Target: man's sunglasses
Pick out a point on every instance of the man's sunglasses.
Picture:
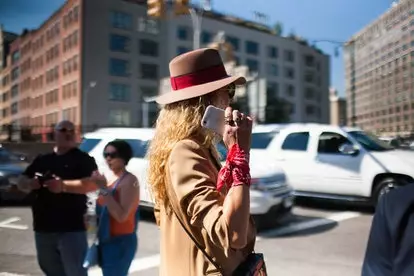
(111, 155)
(64, 130)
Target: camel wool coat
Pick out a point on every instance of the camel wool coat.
(191, 187)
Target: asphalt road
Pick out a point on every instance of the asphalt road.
(318, 239)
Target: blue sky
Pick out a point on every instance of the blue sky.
(312, 19)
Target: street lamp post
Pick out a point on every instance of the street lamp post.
(338, 44)
(91, 85)
(145, 110)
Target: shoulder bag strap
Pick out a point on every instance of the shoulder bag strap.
(104, 207)
(173, 207)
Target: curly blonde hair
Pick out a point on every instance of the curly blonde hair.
(176, 122)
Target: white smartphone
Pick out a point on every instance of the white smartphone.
(213, 119)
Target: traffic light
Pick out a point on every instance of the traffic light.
(156, 8)
(181, 7)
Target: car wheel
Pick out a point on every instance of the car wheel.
(383, 187)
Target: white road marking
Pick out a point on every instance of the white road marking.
(300, 226)
(7, 224)
(139, 264)
(11, 274)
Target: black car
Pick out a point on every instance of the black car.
(11, 167)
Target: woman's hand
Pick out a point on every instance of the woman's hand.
(99, 179)
(237, 129)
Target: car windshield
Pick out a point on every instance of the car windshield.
(369, 141)
(88, 144)
(261, 140)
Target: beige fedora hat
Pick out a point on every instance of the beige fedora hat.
(195, 74)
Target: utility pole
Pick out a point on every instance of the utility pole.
(91, 85)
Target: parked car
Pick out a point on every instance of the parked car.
(11, 167)
(271, 195)
(334, 162)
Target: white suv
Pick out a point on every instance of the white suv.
(336, 162)
(271, 196)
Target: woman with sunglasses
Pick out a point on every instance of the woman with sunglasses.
(117, 211)
(203, 210)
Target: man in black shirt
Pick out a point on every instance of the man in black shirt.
(58, 218)
(390, 248)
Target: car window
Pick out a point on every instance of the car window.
(369, 141)
(329, 142)
(139, 147)
(261, 140)
(88, 144)
(296, 141)
(221, 148)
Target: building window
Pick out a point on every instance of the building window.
(69, 114)
(252, 48)
(273, 69)
(310, 110)
(121, 20)
(290, 90)
(148, 47)
(289, 73)
(272, 90)
(289, 55)
(309, 60)
(14, 91)
(70, 90)
(52, 118)
(15, 73)
(119, 92)
(14, 108)
(5, 96)
(253, 65)
(309, 78)
(181, 50)
(119, 67)
(234, 41)
(15, 56)
(147, 25)
(70, 41)
(119, 43)
(119, 117)
(148, 91)
(69, 65)
(309, 93)
(183, 33)
(149, 71)
(52, 97)
(272, 52)
(206, 37)
(53, 74)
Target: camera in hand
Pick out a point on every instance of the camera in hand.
(44, 177)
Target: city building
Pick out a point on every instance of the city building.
(337, 109)
(97, 62)
(379, 66)
(6, 38)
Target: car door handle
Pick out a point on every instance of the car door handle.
(281, 159)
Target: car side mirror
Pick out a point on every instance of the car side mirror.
(348, 149)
